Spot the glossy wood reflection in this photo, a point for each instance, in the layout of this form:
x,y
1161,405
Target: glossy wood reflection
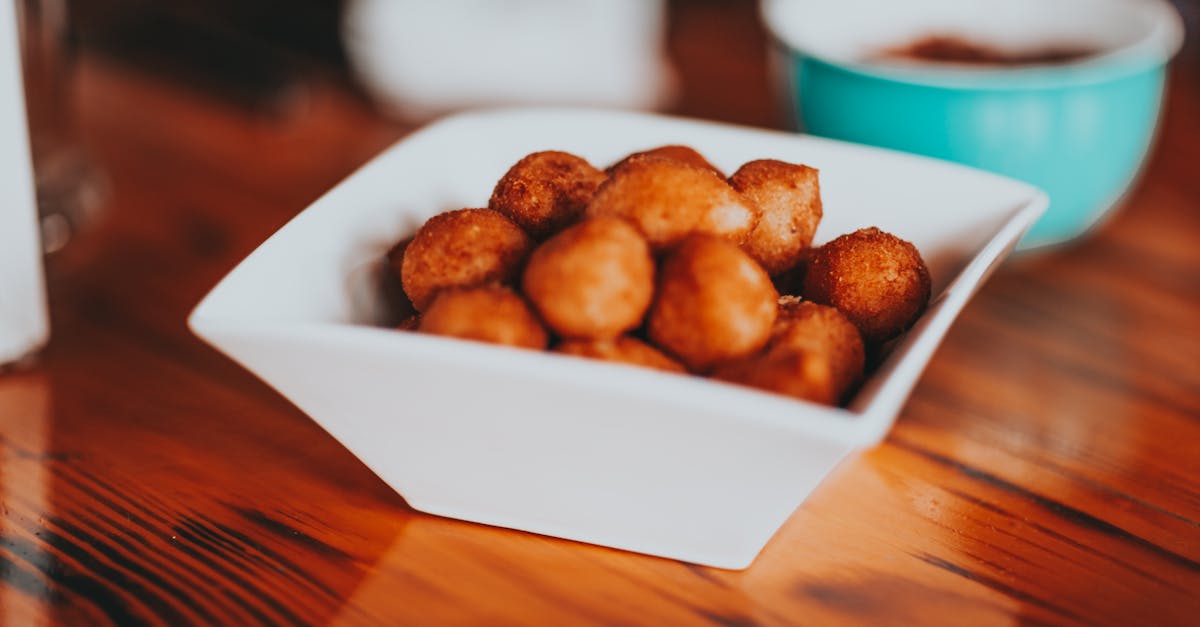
x,y
1045,471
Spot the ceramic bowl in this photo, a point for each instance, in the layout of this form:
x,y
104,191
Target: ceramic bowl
x,y
1079,130
665,464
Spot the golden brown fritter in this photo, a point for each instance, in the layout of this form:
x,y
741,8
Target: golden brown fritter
x,y
877,279
714,303
546,191
823,331
395,255
666,200
796,373
789,203
593,280
485,313
684,154
726,250
624,349
459,249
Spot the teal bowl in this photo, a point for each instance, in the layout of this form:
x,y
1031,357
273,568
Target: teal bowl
x,y
1080,130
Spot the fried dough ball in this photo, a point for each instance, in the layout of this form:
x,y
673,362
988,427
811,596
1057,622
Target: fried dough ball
x,y
546,191
714,303
666,200
395,255
877,279
814,354
789,202
683,154
593,280
486,313
796,373
823,331
624,349
459,249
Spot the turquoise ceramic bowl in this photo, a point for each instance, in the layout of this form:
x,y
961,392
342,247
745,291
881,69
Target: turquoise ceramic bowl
x,y
1080,130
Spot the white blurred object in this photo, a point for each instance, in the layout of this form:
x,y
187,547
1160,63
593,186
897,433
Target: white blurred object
x,y
625,457
420,57
23,323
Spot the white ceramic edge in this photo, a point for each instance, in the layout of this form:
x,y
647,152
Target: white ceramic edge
x,y
834,424
1157,47
728,559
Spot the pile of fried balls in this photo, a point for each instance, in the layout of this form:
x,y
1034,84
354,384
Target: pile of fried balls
x,y
662,261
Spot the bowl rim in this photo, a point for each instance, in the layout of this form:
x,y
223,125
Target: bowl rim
x,y
1152,50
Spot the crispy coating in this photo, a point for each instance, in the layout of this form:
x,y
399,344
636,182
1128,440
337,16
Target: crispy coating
x,y
789,202
593,280
814,354
666,200
825,332
459,249
726,250
714,303
624,349
877,279
395,255
546,191
486,313
685,154
796,373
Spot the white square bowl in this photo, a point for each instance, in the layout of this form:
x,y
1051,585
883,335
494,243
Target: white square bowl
x,y
625,457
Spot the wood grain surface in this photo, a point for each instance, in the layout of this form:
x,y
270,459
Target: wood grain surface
x,y
1045,471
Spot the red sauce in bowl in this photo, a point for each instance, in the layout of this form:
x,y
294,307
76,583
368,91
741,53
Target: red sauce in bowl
x,y
951,49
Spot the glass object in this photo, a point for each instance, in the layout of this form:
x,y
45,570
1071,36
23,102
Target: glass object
x,y
23,321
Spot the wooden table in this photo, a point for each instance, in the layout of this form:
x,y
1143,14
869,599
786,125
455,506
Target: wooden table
x,y
1045,471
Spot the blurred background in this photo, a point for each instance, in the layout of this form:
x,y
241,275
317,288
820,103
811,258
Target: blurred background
x,y
257,52
318,73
